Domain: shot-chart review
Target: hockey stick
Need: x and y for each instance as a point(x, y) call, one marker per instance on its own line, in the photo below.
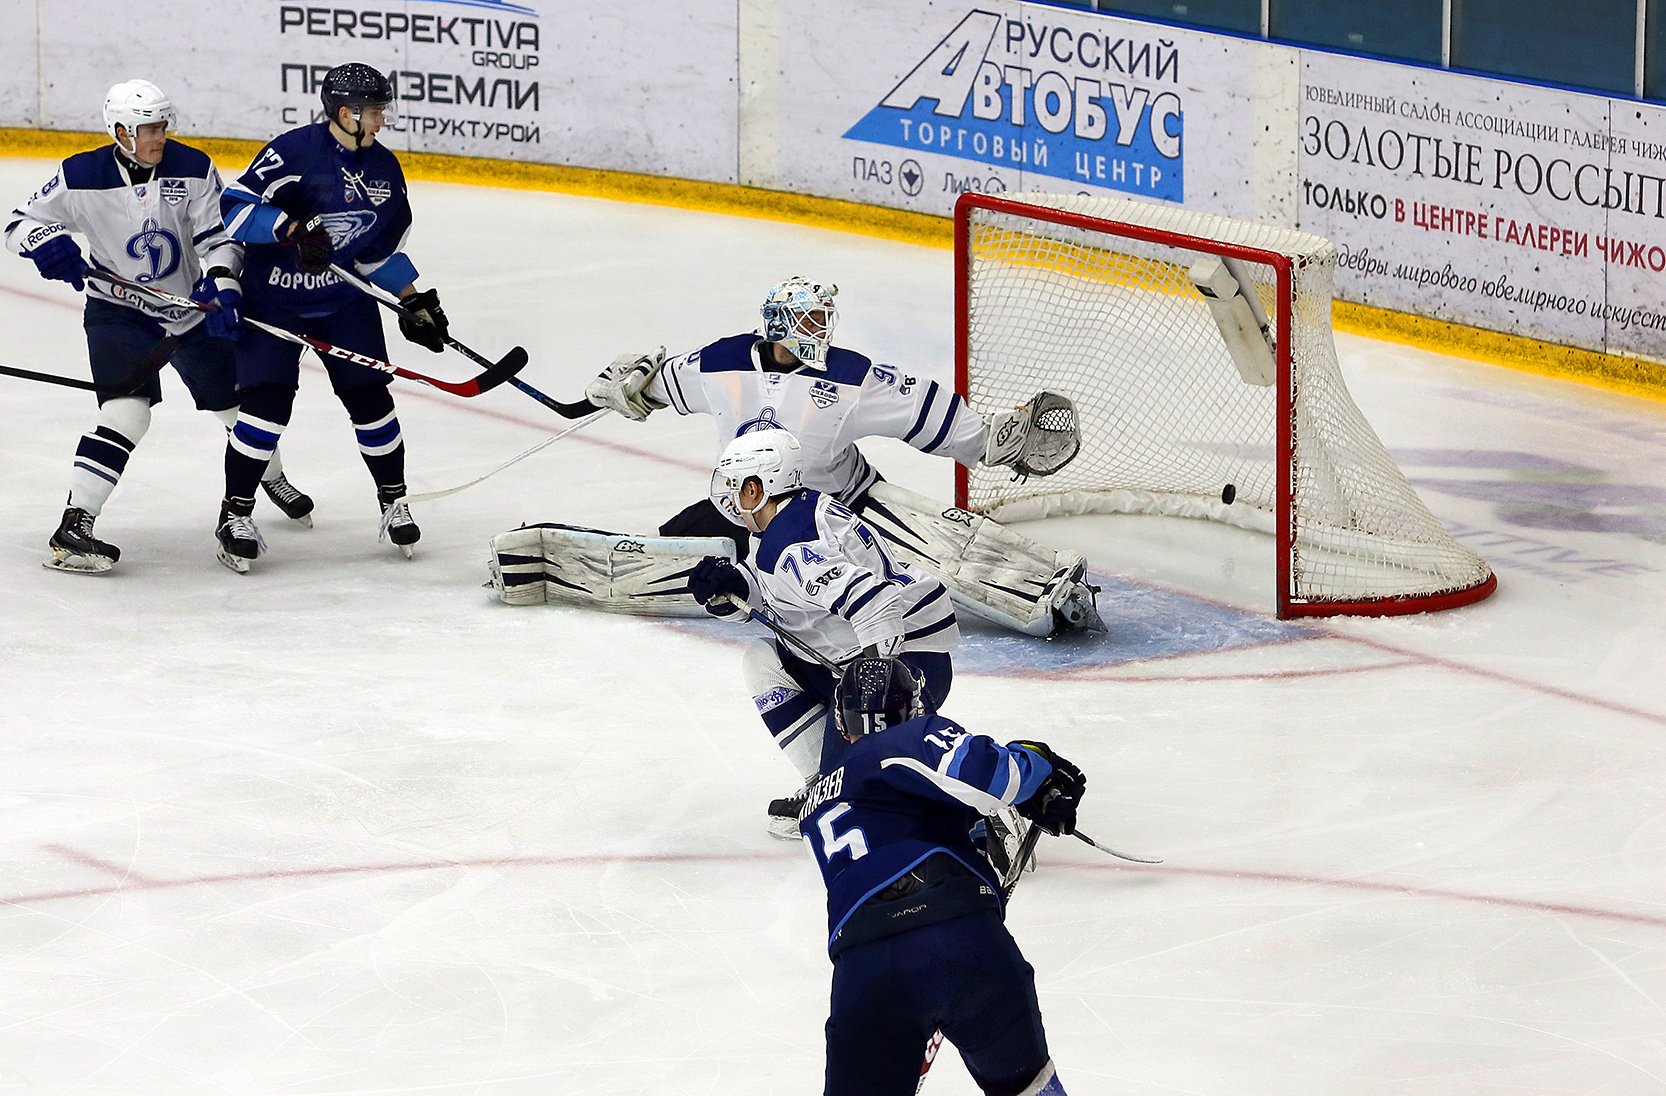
point(495, 373)
point(1108, 851)
point(393, 303)
point(142, 372)
point(481, 382)
point(429, 496)
point(815, 656)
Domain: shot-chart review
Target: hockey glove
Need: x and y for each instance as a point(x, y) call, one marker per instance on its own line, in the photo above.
point(620, 387)
point(715, 576)
point(314, 250)
point(220, 289)
point(1053, 806)
point(59, 259)
point(423, 321)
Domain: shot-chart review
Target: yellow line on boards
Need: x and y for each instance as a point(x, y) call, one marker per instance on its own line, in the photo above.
point(1632, 376)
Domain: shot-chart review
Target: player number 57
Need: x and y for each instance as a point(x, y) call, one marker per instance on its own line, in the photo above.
point(852, 839)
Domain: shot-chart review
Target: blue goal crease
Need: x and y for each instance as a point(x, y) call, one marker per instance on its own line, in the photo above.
point(1143, 623)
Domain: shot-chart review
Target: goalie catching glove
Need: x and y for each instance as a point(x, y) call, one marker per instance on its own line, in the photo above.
point(423, 321)
point(621, 386)
point(1036, 439)
point(1053, 806)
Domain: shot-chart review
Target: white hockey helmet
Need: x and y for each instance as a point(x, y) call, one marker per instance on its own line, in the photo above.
point(800, 315)
point(134, 103)
point(773, 457)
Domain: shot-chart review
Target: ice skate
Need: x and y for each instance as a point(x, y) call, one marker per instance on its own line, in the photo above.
point(295, 504)
point(1003, 836)
point(240, 539)
point(74, 548)
point(783, 815)
point(397, 525)
point(1075, 604)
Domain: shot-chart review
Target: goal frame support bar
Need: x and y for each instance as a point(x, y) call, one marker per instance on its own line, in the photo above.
point(1288, 606)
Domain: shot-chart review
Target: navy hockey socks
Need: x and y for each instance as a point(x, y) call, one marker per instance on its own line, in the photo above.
point(376, 424)
point(261, 418)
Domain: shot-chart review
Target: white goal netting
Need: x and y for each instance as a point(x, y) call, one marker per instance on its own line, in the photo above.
point(1102, 310)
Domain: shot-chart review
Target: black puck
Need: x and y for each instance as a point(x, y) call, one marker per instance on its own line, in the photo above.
point(1228, 493)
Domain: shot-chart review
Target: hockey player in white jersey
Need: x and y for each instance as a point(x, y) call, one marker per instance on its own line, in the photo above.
point(789, 375)
point(150, 210)
point(826, 580)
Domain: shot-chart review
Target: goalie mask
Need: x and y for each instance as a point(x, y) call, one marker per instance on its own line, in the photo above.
point(772, 457)
point(800, 315)
point(134, 103)
point(875, 694)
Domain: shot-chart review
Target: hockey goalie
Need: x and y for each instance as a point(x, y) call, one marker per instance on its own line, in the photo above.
point(787, 374)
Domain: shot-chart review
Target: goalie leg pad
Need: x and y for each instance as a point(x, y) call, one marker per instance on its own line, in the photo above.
point(797, 719)
point(593, 569)
point(991, 572)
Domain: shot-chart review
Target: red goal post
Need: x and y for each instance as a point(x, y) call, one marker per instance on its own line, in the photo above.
point(1095, 298)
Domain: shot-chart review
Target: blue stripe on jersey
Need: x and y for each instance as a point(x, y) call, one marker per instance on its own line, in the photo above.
point(925, 409)
point(856, 606)
point(183, 162)
point(931, 447)
point(930, 629)
point(729, 355)
point(850, 588)
point(927, 600)
point(394, 274)
point(206, 233)
point(674, 389)
point(846, 366)
point(95, 170)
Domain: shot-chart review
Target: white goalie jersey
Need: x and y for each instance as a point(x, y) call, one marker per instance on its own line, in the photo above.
point(164, 231)
point(826, 578)
point(827, 410)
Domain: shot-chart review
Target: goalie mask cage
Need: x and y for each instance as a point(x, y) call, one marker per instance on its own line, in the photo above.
point(1091, 297)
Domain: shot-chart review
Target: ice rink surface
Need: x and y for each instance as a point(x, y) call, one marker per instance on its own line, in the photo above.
point(345, 825)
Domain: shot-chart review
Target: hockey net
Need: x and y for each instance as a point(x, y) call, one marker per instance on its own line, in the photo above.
point(1091, 297)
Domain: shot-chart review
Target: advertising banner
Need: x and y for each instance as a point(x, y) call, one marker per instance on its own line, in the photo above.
point(1526, 210)
point(645, 87)
point(911, 104)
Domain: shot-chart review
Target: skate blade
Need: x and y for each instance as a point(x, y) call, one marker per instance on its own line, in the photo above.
point(304, 519)
point(61, 560)
point(784, 828)
point(236, 563)
point(409, 550)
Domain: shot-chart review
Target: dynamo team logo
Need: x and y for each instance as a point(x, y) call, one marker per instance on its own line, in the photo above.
point(157, 248)
point(1085, 105)
point(347, 225)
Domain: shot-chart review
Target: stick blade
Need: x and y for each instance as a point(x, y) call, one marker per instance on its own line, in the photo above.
point(506, 367)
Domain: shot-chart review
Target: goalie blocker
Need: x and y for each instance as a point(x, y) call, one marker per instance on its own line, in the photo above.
point(594, 569)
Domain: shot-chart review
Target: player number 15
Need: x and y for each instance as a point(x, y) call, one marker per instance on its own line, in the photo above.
point(852, 839)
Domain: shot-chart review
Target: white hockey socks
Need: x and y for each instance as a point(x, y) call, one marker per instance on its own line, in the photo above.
point(101, 457)
point(796, 720)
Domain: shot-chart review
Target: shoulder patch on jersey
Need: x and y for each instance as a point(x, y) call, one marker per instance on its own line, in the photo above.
point(183, 162)
point(95, 170)
point(729, 355)
point(793, 524)
point(846, 366)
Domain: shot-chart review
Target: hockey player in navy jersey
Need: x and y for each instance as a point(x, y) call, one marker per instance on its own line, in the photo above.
point(822, 576)
point(149, 207)
point(914, 910)
point(321, 194)
point(788, 374)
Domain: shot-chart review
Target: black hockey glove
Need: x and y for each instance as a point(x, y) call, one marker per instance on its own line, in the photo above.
point(423, 321)
point(1053, 806)
point(314, 250)
point(713, 576)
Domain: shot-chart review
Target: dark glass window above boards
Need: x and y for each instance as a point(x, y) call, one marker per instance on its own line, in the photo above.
point(1404, 30)
point(1584, 44)
point(1237, 16)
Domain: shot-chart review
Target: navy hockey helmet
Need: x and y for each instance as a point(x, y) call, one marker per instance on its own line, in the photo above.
point(874, 694)
point(354, 86)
